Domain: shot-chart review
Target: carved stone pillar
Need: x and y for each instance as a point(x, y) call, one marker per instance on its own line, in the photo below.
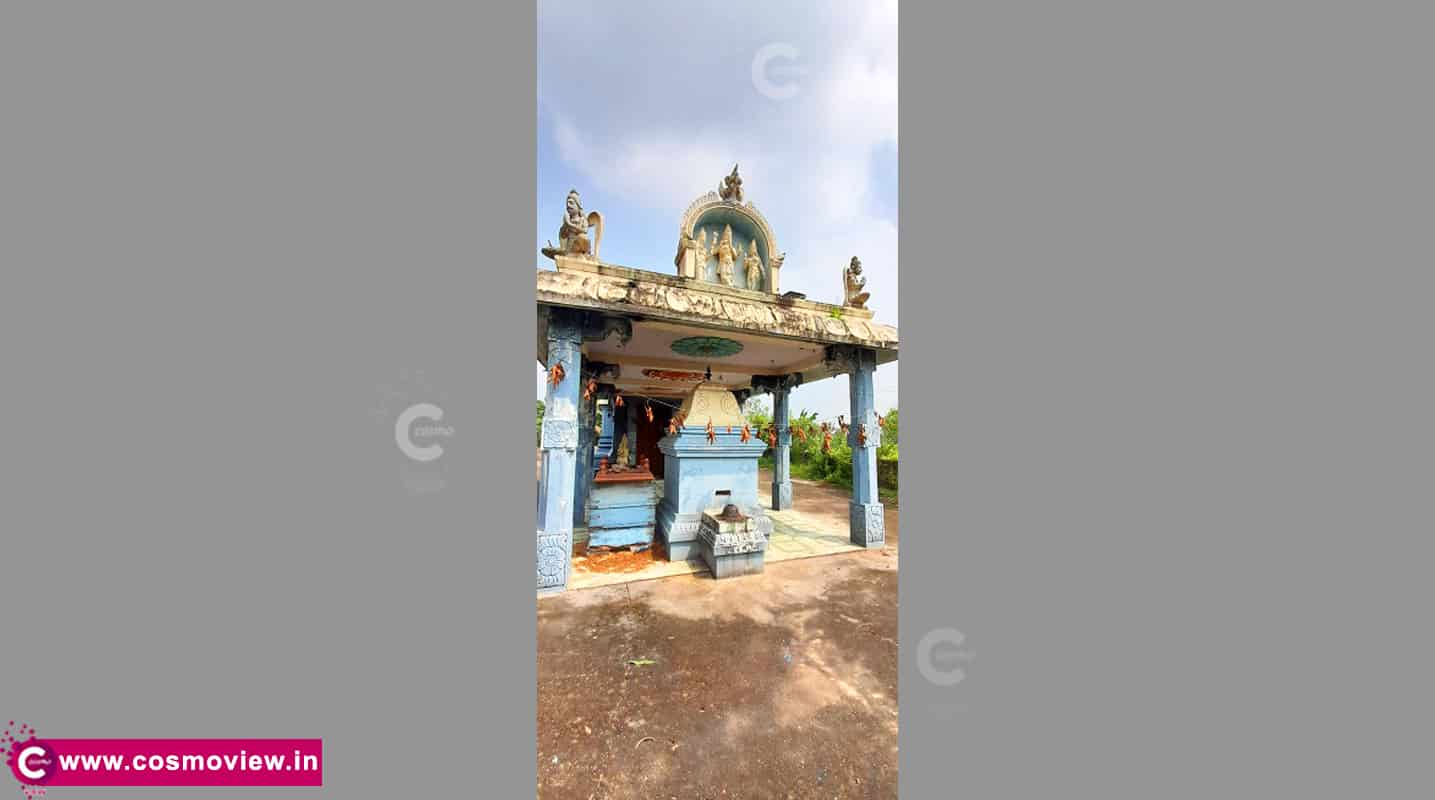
point(560, 446)
point(865, 513)
point(782, 453)
point(780, 387)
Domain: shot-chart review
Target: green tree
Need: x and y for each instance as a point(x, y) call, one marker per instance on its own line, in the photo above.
point(758, 413)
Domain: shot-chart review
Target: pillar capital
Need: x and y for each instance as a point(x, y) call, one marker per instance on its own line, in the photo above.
point(568, 328)
point(850, 358)
point(605, 374)
point(771, 384)
point(781, 454)
point(591, 326)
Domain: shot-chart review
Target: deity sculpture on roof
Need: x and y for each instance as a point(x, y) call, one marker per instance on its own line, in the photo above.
point(853, 284)
point(726, 256)
point(573, 232)
point(752, 265)
point(731, 187)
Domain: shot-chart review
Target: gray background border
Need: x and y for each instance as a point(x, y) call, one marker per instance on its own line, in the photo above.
point(238, 240)
point(1166, 332)
point(1172, 379)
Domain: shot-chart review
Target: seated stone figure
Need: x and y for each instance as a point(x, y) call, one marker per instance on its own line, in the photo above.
point(854, 283)
point(573, 233)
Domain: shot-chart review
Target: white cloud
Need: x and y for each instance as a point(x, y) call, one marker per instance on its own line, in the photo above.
point(654, 103)
point(659, 169)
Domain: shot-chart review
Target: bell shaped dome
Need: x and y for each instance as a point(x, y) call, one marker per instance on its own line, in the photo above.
point(726, 241)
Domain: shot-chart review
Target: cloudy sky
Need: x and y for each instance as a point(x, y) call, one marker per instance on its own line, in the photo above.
point(642, 107)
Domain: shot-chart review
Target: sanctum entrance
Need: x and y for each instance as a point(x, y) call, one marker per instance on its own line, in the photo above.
point(649, 433)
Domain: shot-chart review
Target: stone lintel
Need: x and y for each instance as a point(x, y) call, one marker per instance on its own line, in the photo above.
point(628, 292)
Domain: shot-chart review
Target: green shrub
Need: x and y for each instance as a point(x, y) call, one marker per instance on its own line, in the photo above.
point(834, 467)
point(887, 472)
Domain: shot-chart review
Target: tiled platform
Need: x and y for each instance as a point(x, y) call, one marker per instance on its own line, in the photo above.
point(794, 535)
point(798, 535)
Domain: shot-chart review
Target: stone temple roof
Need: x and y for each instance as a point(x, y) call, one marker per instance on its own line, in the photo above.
point(580, 283)
point(720, 316)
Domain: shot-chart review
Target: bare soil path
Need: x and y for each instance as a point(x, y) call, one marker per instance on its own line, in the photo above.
point(780, 685)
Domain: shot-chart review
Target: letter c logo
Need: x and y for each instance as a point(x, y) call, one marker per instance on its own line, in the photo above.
point(765, 85)
point(35, 763)
point(927, 662)
point(402, 431)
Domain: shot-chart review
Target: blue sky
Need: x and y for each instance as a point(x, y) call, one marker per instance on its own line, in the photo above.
point(642, 107)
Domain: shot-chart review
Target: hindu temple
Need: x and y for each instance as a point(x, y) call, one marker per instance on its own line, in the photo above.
point(643, 438)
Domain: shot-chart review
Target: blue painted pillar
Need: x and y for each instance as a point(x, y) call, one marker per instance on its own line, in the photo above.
point(608, 439)
point(864, 435)
point(587, 440)
point(560, 446)
point(782, 454)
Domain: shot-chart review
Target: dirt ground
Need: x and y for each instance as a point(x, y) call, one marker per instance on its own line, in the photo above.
point(780, 685)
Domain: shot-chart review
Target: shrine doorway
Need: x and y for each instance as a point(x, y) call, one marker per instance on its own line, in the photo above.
point(649, 433)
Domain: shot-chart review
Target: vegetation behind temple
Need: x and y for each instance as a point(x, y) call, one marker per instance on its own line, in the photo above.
point(808, 460)
point(834, 466)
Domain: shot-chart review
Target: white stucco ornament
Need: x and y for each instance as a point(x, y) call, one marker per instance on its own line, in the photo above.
point(708, 402)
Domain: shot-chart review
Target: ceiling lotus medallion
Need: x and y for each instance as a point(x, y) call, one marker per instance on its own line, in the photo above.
point(707, 347)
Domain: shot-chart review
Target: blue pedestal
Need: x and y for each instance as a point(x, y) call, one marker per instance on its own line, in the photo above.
point(695, 473)
point(621, 512)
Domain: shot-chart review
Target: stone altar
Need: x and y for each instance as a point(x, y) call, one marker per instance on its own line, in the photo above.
point(703, 474)
point(730, 543)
